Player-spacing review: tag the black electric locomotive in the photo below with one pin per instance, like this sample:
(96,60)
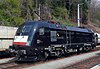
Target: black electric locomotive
(36,40)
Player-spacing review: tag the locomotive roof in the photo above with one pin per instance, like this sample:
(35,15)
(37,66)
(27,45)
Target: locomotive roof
(58,26)
(79,29)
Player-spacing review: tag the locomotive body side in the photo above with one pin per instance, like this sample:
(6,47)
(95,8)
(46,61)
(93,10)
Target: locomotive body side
(40,39)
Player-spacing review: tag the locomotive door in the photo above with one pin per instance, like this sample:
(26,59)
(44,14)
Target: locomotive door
(43,37)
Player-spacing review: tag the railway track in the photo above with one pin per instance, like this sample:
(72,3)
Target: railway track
(7,65)
(13,65)
(85,64)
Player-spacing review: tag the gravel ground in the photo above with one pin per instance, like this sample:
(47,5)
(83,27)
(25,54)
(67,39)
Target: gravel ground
(86,64)
(63,63)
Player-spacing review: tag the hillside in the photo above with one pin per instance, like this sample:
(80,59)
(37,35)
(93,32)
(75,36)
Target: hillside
(94,17)
(93,27)
(15,12)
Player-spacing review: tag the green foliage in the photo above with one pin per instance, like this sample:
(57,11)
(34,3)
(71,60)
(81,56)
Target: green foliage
(60,15)
(10,13)
(60,12)
(14,12)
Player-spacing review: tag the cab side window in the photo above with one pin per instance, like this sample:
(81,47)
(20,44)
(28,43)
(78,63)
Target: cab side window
(41,31)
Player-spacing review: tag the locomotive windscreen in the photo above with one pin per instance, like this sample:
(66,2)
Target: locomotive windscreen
(23,30)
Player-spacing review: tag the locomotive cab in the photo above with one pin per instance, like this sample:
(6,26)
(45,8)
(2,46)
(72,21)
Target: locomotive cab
(22,36)
(30,40)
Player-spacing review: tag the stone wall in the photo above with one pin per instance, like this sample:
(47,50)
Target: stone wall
(6,36)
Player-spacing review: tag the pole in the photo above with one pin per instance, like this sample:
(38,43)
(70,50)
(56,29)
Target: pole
(78,15)
(39,12)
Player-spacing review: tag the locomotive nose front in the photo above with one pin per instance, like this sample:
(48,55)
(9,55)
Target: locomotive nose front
(23,34)
(23,39)
(20,40)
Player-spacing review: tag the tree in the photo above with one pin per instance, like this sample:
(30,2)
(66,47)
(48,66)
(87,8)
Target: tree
(10,11)
(95,11)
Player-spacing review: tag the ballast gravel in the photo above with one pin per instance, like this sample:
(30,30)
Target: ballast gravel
(56,64)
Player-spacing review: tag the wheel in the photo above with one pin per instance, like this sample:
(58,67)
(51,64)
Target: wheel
(78,50)
(44,56)
(59,53)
